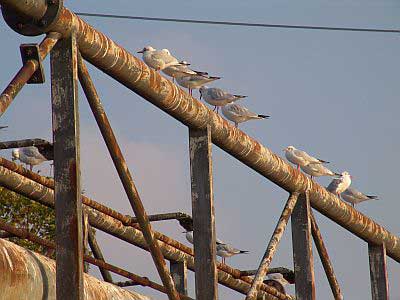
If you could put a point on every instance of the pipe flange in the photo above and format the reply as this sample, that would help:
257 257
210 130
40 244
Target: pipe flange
29 26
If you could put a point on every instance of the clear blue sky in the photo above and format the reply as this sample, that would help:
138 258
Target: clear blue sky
334 94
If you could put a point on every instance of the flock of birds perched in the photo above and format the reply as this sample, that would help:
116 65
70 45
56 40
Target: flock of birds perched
162 60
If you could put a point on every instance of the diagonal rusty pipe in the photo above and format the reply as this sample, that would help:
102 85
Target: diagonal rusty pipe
272 246
26 71
115 61
226 275
125 177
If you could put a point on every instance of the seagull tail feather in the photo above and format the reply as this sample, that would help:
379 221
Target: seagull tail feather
372 197
239 96
243 252
323 161
263 116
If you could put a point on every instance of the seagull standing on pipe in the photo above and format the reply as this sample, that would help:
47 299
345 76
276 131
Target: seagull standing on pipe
158 59
353 196
238 114
301 158
192 82
181 70
28 155
339 185
225 250
218 97
317 170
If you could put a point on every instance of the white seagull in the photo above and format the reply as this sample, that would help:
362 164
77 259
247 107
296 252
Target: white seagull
226 250
193 82
218 97
238 114
28 155
354 196
317 170
158 59
181 70
339 185
301 158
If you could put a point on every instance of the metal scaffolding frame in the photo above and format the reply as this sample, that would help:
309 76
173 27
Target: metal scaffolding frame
70 41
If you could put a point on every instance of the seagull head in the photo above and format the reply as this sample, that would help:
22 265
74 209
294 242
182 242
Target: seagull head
15 154
346 174
289 149
148 48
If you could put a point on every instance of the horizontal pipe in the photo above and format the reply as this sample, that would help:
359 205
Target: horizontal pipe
101 221
23 143
143 281
23 272
115 61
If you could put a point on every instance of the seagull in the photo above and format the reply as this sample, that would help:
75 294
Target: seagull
193 82
354 196
181 70
238 114
317 170
218 97
277 281
189 237
301 158
3 127
226 250
158 59
339 185
28 155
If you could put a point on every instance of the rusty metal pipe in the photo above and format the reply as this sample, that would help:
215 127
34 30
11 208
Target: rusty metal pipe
30 8
110 225
125 177
115 61
26 71
23 143
126 220
272 246
326 262
23 272
143 281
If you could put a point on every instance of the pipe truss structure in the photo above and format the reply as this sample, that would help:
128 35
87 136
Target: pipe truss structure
70 41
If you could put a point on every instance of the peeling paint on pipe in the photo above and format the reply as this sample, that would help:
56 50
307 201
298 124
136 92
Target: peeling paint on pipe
23 272
101 221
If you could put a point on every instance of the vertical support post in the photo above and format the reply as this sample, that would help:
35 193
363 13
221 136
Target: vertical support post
272 246
302 250
178 271
203 214
326 262
67 191
378 272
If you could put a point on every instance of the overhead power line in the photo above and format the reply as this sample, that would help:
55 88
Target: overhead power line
246 24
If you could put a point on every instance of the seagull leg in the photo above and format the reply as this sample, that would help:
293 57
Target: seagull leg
214 108
353 205
223 260
298 167
31 167
236 125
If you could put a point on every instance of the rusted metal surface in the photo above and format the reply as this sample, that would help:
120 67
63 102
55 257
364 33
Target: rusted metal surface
32 52
97 253
68 204
114 60
226 275
24 143
302 250
326 262
165 216
30 8
378 272
272 246
125 177
23 272
26 71
178 271
204 239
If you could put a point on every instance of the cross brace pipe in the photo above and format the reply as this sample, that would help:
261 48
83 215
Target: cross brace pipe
117 62
227 276
26 71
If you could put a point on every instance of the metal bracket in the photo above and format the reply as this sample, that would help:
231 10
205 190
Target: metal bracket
31 51
29 26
